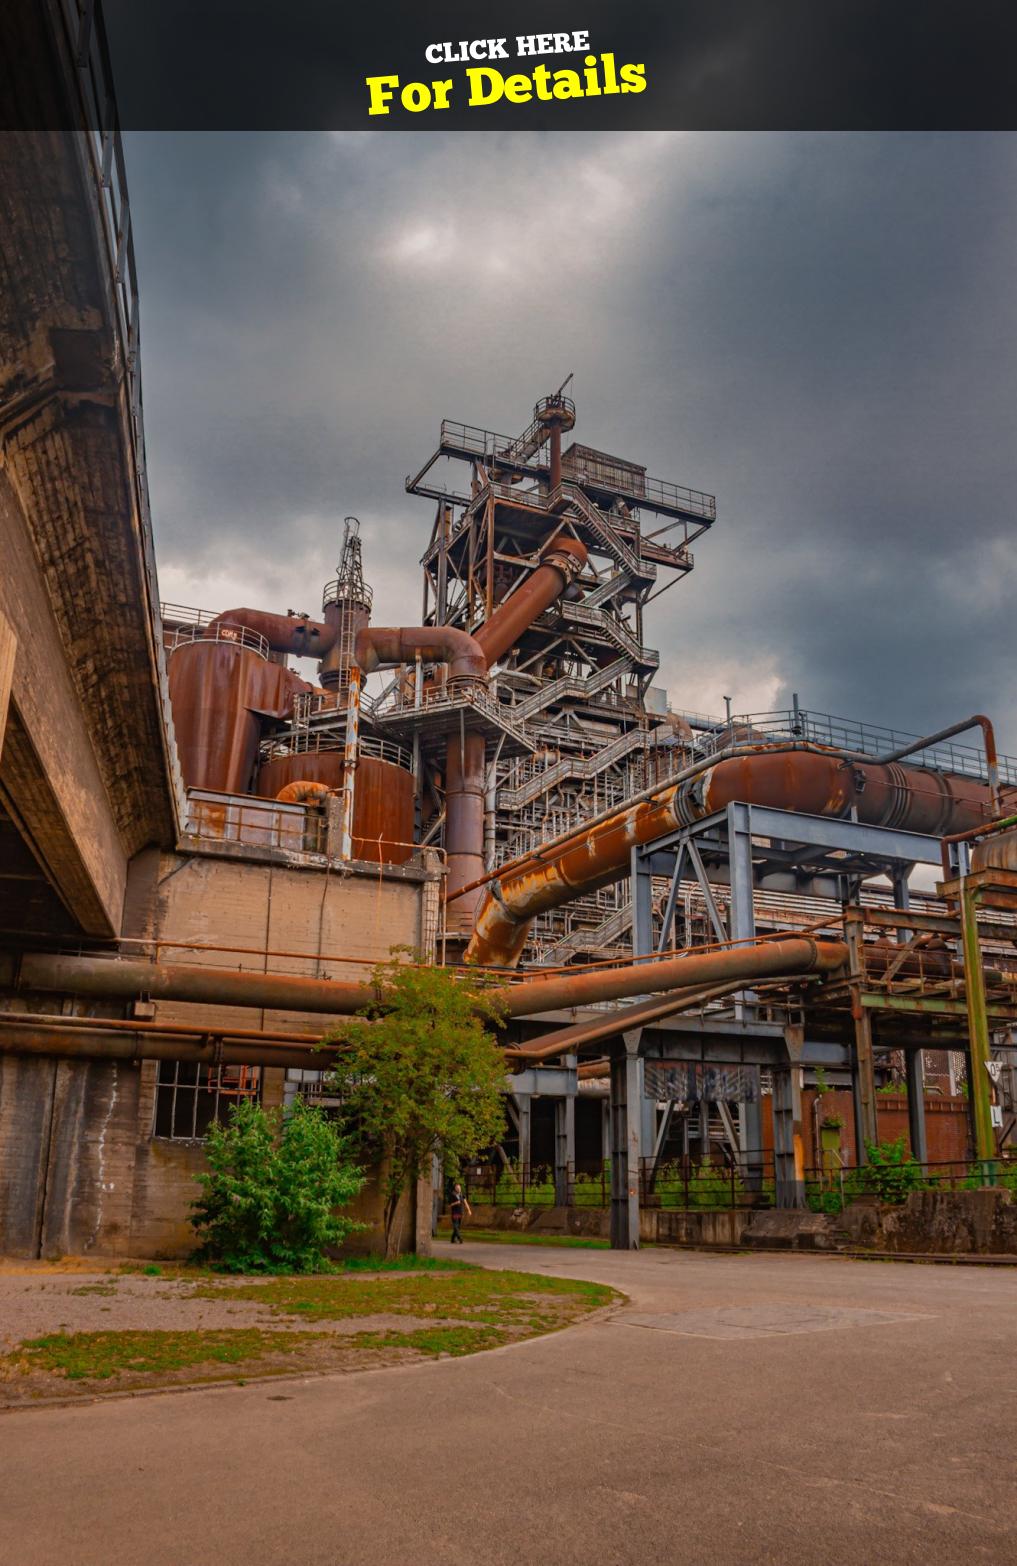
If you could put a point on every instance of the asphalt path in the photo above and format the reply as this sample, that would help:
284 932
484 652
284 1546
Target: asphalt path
737 1409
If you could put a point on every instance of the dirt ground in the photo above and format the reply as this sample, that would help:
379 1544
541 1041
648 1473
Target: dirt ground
66 1332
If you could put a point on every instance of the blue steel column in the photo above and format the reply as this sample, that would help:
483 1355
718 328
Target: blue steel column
788 1140
742 923
914 1059
625 1139
524 1112
647 1118
642 905
564 1140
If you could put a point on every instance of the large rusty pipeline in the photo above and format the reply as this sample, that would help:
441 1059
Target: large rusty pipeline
469 658
560 563
191 982
30 1035
284 633
802 778
204 985
790 956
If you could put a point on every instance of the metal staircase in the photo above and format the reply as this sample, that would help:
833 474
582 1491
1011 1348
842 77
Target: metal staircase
581 767
614 630
580 508
570 686
610 930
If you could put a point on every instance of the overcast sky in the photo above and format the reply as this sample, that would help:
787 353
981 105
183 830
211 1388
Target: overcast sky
820 329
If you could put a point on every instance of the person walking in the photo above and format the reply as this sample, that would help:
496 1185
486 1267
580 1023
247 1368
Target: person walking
457 1205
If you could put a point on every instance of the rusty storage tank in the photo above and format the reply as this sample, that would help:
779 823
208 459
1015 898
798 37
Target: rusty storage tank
222 687
998 852
382 798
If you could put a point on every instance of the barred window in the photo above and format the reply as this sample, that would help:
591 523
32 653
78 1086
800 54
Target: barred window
190 1096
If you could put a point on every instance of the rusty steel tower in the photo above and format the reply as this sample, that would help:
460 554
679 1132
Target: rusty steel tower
571 718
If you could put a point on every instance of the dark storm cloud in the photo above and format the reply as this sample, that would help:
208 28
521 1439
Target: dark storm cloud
818 328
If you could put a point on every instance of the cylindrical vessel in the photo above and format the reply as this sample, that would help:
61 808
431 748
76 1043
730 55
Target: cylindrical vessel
220 691
383 801
464 825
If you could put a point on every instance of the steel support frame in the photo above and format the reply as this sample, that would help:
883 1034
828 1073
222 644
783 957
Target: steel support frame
564 1140
979 1037
626 1137
863 1075
788 1133
730 836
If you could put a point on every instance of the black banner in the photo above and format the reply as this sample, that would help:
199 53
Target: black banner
599 65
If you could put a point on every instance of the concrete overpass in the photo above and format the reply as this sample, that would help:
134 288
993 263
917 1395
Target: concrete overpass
87 764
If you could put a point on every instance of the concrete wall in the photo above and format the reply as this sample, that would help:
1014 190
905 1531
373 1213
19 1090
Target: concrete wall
310 922
80 1169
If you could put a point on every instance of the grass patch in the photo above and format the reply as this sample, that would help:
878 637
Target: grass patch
96 1356
511 1299
453 1310
411 1262
521 1237
455 1341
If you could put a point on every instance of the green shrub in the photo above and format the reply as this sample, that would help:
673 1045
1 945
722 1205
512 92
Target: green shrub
891 1173
272 1190
539 1190
708 1189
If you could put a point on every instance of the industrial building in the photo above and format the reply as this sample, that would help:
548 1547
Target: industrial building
693 919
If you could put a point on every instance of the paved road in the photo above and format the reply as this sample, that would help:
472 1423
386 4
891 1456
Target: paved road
741 1409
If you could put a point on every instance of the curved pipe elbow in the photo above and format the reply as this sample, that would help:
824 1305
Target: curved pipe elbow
384 647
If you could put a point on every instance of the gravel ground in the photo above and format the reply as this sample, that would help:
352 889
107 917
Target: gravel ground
34 1305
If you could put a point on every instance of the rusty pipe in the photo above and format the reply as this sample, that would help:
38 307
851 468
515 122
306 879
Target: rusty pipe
795 955
385 647
191 983
806 779
978 720
284 633
465 784
611 1025
561 562
200 985
303 791
100 1042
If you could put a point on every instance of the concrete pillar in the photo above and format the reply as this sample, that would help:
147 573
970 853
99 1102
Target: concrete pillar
626 1129
914 1061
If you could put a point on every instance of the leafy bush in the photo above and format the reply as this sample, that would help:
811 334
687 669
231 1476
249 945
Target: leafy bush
891 1173
822 1199
707 1189
272 1190
539 1190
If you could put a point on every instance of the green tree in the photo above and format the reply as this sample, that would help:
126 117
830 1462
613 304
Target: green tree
420 1075
273 1189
